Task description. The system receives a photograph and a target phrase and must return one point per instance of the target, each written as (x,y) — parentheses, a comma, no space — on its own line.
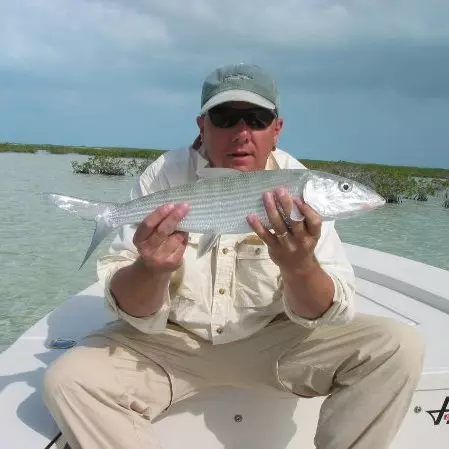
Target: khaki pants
(105,392)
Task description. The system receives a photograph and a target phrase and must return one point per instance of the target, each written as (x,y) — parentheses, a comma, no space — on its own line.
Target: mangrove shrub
(111,166)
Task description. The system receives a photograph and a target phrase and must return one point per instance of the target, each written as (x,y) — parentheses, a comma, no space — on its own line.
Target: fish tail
(87,210)
(102,230)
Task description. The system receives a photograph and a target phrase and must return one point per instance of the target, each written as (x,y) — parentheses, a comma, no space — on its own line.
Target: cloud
(303,21)
(372,73)
(320,45)
(44,35)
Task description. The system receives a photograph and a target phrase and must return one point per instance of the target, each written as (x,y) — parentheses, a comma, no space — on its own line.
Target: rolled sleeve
(333,260)
(122,253)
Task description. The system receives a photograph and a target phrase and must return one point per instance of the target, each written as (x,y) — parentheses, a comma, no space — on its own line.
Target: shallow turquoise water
(41,247)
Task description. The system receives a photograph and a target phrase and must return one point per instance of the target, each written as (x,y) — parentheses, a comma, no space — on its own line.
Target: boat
(388,285)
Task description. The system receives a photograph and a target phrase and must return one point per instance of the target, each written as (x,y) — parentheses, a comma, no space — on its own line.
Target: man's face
(239,147)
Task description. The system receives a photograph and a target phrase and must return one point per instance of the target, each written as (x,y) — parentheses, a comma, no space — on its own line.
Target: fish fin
(87,210)
(206,243)
(216,172)
(102,230)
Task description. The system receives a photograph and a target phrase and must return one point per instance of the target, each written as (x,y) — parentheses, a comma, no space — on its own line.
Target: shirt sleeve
(333,260)
(122,253)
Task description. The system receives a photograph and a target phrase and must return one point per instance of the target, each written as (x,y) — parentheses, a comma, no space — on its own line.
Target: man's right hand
(160,246)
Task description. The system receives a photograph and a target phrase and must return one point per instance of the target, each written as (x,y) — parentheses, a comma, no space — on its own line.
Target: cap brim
(237,95)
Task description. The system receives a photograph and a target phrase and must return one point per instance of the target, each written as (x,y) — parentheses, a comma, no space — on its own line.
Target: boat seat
(232,418)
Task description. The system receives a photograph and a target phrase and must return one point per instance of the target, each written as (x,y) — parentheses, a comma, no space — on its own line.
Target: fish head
(334,197)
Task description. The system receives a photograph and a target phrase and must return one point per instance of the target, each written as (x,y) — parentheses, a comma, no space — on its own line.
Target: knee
(403,344)
(71,370)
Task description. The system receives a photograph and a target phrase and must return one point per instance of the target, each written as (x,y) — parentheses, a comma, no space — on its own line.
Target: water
(42,247)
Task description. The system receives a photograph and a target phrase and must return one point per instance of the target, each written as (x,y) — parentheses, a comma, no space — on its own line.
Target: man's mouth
(240,154)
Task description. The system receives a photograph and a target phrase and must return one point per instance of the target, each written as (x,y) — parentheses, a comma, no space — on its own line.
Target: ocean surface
(41,247)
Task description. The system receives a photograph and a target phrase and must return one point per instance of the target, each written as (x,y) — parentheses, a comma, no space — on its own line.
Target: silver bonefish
(220,204)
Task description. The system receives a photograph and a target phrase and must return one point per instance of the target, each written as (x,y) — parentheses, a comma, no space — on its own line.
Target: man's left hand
(290,247)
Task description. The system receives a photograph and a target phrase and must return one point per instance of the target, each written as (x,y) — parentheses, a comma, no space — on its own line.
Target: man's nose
(242,127)
(242,134)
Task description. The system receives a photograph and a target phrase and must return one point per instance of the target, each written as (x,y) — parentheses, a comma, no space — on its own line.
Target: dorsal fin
(206,243)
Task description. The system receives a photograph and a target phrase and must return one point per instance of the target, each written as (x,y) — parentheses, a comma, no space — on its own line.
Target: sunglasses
(255,118)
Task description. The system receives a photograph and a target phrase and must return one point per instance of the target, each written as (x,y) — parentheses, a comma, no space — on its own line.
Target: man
(271,309)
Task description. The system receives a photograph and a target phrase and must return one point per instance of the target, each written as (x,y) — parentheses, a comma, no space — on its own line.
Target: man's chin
(242,163)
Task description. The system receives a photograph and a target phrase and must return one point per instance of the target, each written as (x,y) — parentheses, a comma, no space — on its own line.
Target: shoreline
(7,147)
(126,152)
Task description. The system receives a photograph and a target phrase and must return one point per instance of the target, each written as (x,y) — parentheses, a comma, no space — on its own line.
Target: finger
(178,251)
(169,224)
(262,232)
(148,225)
(285,202)
(161,255)
(312,220)
(275,218)
(170,244)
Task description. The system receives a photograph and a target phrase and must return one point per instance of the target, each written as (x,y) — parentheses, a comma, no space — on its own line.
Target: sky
(360,80)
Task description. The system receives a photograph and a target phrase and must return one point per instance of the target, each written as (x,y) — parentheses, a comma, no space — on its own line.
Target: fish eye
(345,186)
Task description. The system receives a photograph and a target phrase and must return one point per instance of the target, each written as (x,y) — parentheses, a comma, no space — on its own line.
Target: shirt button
(221,291)
(225,250)
(258,251)
(219,330)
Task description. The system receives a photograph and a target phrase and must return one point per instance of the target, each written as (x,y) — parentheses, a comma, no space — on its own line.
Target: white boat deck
(409,291)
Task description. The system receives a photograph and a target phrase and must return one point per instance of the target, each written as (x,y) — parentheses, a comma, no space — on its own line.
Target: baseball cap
(239,82)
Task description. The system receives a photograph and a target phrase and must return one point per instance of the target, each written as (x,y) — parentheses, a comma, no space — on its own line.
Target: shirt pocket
(257,277)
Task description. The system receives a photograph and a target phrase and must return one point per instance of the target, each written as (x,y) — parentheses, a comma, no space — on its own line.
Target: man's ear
(200,122)
(196,145)
(278,127)
(277,131)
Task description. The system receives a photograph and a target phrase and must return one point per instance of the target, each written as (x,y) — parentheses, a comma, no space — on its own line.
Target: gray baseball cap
(239,82)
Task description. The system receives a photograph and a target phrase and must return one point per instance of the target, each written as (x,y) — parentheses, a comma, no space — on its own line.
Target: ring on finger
(283,235)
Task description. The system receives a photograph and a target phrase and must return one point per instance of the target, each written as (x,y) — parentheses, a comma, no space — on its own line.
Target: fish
(220,203)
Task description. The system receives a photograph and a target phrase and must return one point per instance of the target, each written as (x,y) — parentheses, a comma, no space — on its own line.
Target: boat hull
(413,293)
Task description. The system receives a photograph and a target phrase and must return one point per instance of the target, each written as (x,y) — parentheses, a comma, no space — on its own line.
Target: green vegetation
(394,183)
(421,172)
(446,199)
(111,165)
(87,151)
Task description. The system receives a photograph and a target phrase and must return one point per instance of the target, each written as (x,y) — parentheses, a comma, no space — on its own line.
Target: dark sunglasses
(227,117)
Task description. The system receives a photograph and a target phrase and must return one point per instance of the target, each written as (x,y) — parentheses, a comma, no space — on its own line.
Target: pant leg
(104,393)
(368,369)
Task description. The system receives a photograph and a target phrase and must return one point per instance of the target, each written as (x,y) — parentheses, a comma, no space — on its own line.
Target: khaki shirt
(235,290)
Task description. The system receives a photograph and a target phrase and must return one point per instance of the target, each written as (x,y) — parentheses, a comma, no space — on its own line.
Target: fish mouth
(377,201)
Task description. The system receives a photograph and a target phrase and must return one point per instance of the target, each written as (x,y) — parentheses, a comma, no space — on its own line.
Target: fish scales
(218,205)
